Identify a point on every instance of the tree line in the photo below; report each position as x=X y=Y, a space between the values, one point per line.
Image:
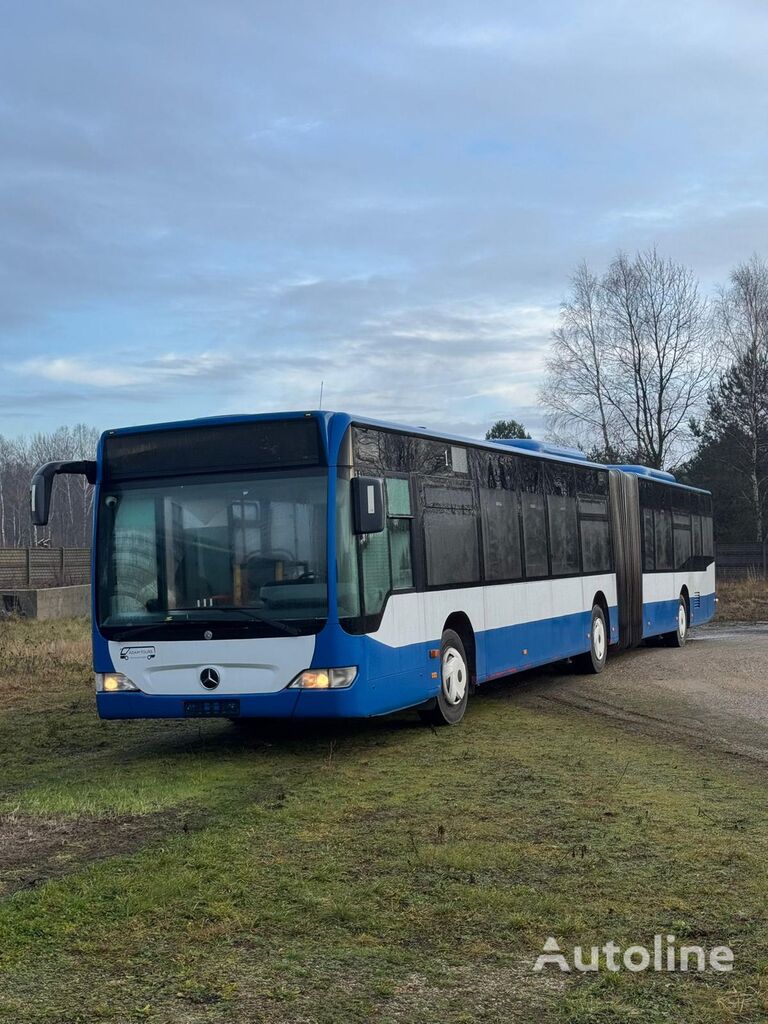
x=645 y=368
x=70 y=524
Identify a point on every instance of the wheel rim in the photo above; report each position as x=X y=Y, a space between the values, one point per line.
x=682 y=619
x=598 y=638
x=454 y=676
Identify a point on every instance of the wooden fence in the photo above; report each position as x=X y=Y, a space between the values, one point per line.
x=51 y=567
x=43 y=567
x=739 y=560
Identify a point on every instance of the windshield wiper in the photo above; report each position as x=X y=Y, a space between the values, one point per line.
x=148 y=627
x=153 y=627
x=248 y=614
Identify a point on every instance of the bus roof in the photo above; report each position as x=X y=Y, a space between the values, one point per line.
x=337 y=422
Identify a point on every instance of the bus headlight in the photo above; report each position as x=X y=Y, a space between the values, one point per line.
x=113 y=682
x=324 y=679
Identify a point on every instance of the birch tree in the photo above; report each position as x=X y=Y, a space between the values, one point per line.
x=632 y=360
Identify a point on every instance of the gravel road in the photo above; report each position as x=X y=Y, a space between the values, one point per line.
x=713 y=691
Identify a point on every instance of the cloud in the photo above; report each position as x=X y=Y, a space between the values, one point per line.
x=389 y=198
x=75 y=371
x=409 y=366
x=127 y=371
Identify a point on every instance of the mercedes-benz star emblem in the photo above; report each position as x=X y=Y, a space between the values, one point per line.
x=210 y=678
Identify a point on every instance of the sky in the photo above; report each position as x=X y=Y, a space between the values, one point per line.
x=209 y=208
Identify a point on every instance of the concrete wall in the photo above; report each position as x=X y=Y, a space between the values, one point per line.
x=47 y=603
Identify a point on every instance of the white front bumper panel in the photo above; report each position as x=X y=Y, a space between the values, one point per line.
x=254 y=665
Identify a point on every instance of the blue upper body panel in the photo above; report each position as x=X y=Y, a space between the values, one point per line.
x=333 y=426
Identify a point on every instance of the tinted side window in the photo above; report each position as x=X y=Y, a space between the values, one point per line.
x=377 y=577
x=535 y=534
x=386 y=557
x=681 y=522
x=399 y=528
x=707 y=538
x=400 y=553
x=501 y=533
x=563 y=534
x=450 y=534
x=595 y=545
x=534 y=518
x=594 y=525
x=649 y=561
x=696 y=534
x=561 y=512
x=663 y=531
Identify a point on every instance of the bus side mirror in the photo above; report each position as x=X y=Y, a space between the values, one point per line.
x=367 y=504
x=42 y=486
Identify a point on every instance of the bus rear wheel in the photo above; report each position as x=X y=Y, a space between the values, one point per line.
x=595 y=658
x=678 y=636
x=451 y=701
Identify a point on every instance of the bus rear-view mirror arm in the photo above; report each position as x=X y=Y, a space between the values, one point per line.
x=42 y=485
x=368 y=504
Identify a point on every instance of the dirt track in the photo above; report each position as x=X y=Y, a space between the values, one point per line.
x=714 y=691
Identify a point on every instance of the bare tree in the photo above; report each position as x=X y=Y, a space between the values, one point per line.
x=574 y=391
x=737 y=418
x=632 y=359
x=70 y=524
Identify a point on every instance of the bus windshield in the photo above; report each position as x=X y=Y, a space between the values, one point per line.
x=214 y=548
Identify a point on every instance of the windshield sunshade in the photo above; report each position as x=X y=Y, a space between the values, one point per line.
x=230 y=446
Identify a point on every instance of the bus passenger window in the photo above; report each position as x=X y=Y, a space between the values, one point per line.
x=535 y=535
x=450 y=533
x=501 y=533
x=664 y=549
x=696 y=530
x=707 y=538
x=649 y=560
x=682 y=535
x=377 y=577
x=399 y=529
x=563 y=534
x=400 y=553
x=595 y=545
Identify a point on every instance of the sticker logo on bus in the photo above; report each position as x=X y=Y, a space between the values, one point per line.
x=132 y=653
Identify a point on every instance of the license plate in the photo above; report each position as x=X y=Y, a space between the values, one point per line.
x=212 y=708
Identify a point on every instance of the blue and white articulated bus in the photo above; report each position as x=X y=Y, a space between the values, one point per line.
x=314 y=564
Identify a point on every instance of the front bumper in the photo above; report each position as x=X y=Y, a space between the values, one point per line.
x=354 y=702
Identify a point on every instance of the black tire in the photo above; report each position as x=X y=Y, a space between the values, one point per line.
x=454 y=677
x=678 y=636
x=595 y=658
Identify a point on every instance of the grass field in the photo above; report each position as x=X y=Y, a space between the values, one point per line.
x=745 y=599
x=184 y=872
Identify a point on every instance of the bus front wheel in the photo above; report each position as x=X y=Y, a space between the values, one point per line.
x=451 y=701
x=595 y=658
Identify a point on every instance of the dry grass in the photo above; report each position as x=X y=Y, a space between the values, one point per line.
x=743 y=600
x=52 y=655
